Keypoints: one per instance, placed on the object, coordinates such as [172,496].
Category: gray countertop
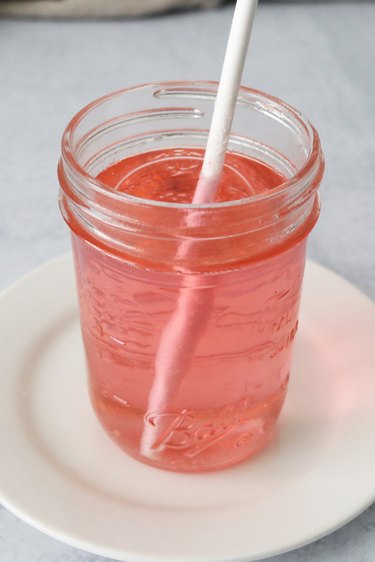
[318,56]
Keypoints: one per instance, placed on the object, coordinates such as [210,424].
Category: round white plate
[61,473]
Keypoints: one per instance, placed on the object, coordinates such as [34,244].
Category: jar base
[215,450]
[197,468]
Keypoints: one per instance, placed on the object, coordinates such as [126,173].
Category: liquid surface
[232,350]
[172,175]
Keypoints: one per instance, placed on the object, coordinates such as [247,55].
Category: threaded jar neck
[178,114]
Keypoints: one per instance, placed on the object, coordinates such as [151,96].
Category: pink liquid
[226,405]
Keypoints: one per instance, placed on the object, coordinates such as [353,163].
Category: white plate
[62,474]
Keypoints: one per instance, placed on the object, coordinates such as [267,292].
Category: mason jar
[188,352]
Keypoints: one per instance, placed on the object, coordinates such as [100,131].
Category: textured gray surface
[317,56]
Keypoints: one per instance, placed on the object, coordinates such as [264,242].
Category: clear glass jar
[204,393]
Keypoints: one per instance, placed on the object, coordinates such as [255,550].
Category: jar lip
[312,162]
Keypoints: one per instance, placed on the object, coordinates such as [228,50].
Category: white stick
[226,99]
[194,303]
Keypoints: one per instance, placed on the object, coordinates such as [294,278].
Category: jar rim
[313,160]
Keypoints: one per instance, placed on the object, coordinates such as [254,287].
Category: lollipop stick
[182,332]
[226,99]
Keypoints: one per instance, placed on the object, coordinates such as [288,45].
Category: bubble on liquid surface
[174,180]
[171,175]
